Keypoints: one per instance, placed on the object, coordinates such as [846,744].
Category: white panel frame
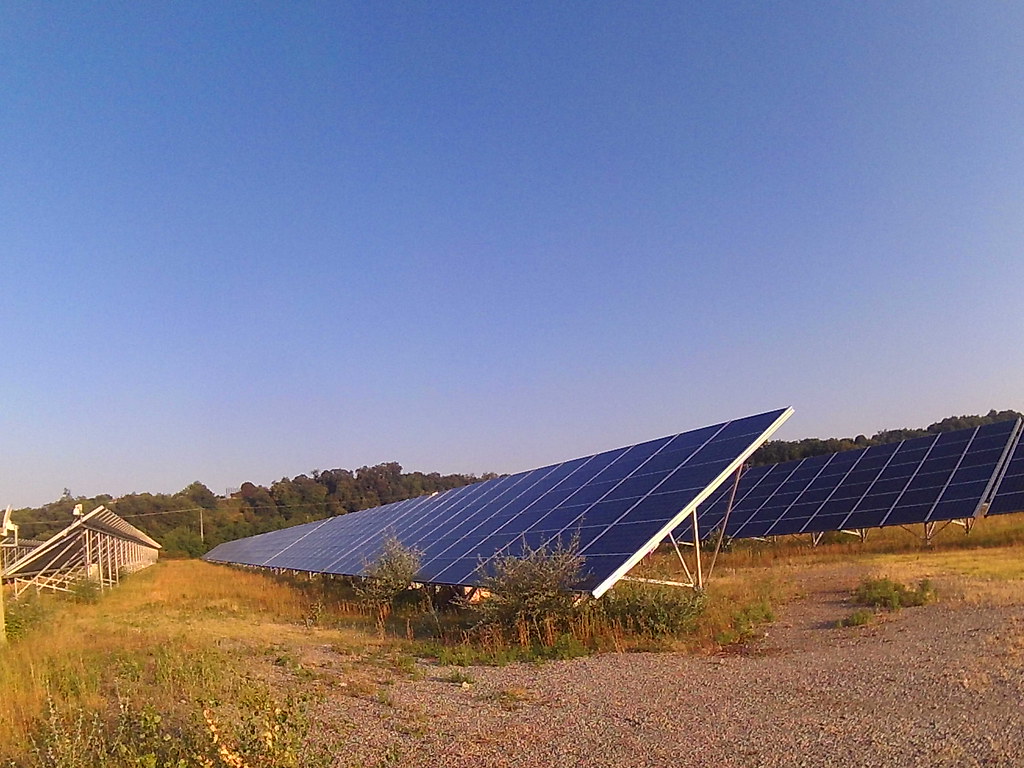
[690,509]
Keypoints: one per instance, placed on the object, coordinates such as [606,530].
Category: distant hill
[193,520]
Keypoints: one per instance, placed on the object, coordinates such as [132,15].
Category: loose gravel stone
[939,685]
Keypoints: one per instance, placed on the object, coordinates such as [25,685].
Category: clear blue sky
[240,241]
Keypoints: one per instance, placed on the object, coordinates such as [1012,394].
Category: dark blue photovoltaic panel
[1010,494]
[940,477]
[617,505]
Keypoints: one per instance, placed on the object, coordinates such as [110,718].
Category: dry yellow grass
[179,633]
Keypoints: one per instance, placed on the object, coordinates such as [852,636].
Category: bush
[892,595]
[652,611]
[21,615]
[85,591]
[389,577]
[858,618]
[532,597]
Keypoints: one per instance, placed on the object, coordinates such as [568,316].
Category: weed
[22,615]
[531,597]
[510,699]
[388,578]
[892,595]
[858,618]
[458,677]
[744,622]
[652,611]
[85,591]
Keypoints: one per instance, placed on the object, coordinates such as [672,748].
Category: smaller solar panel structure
[1009,496]
[617,506]
[97,546]
[939,478]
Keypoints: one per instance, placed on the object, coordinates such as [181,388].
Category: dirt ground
[938,685]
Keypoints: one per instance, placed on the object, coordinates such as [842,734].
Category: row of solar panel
[947,476]
[620,504]
[616,505]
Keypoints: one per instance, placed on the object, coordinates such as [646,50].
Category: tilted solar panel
[946,476]
[1009,496]
[618,504]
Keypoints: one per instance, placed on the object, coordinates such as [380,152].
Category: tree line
[194,520]
[778,451]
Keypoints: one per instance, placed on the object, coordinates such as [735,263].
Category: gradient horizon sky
[240,241]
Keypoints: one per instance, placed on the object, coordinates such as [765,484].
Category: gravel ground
[940,685]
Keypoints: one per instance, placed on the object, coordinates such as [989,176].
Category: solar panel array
[1010,495]
[946,476]
[618,504]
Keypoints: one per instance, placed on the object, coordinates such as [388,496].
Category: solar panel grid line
[849,470]
[810,482]
[888,462]
[560,532]
[381,520]
[286,559]
[596,459]
[296,541]
[787,476]
[535,478]
[949,480]
[480,523]
[936,477]
[690,508]
[664,480]
[440,510]
[764,477]
[1011,474]
[832,493]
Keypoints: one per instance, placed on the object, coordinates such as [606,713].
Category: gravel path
[940,685]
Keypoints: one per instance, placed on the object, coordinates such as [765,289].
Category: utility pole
[202,536]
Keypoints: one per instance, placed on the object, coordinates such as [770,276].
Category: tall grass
[81,680]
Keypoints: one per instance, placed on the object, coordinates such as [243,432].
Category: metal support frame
[935,527]
[695,574]
[98,547]
[860,533]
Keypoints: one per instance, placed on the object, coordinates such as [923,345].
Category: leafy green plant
[458,677]
[23,614]
[389,577]
[858,618]
[891,595]
[745,621]
[650,610]
[85,591]
[531,595]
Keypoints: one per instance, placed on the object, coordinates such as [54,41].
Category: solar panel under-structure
[1009,496]
[618,505]
[941,477]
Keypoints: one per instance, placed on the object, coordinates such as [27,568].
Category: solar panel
[946,476]
[618,504]
[1009,496]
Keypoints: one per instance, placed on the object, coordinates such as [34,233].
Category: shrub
[892,595]
[532,597]
[21,615]
[652,611]
[389,577]
[85,591]
[858,618]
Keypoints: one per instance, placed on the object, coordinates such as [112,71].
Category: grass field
[189,663]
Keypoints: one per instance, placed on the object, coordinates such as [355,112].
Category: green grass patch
[891,595]
[858,618]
